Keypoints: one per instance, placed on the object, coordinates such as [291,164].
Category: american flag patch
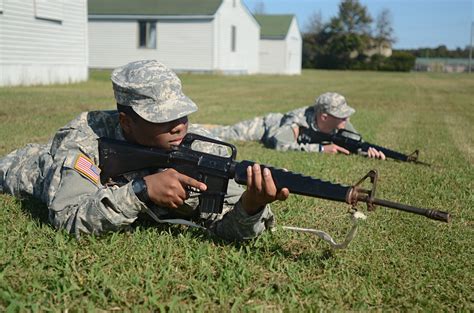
[86,167]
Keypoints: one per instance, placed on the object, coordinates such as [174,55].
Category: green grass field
[398,261]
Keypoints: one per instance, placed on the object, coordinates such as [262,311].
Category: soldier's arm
[80,204]
[285,139]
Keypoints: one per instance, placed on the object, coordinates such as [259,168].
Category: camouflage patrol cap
[152,90]
[334,104]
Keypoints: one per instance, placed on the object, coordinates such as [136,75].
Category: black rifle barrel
[313,187]
[388,152]
[433,214]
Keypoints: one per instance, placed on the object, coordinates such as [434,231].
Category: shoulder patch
[87,168]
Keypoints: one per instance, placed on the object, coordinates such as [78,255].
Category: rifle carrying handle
[192,137]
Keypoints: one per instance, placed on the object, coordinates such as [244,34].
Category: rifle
[120,157]
[353,142]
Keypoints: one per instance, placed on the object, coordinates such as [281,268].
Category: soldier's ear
[125,122]
[324,116]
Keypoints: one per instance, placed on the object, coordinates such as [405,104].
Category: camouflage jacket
[63,174]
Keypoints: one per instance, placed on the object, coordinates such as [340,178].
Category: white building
[281,44]
[43,42]
[187,35]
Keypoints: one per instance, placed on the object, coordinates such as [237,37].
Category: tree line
[439,52]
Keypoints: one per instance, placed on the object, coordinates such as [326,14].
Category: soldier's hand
[261,190]
[169,188]
[374,153]
[332,148]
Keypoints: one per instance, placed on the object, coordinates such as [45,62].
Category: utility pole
[470,48]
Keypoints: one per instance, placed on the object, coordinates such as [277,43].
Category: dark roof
[153,7]
[274,26]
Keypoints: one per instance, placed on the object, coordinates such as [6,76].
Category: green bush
[398,62]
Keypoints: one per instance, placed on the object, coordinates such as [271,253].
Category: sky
[416,23]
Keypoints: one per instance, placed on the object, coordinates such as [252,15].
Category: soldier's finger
[382,155]
[257,177]
[376,153]
[283,194]
[177,202]
[342,150]
[370,152]
[187,181]
[269,184]
[249,177]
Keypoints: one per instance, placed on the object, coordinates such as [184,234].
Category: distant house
[383,48]
[280,44]
[187,35]
[43,42]
[447,65]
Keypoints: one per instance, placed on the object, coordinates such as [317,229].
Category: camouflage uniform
[275,130]
[78,202]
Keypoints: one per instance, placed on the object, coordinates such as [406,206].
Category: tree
[312,48]
[353,18]
[442,51]
[315,23]
[347,35]
[383,27]
[439,52]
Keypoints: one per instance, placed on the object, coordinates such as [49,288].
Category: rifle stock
[119,157]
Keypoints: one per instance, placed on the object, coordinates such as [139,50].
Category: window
[233,38]
[147,34]
[51,10]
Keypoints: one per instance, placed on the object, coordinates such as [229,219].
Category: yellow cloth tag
[87,168]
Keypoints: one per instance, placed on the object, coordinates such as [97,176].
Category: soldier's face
[158,135]
[337,122]
[327,122]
